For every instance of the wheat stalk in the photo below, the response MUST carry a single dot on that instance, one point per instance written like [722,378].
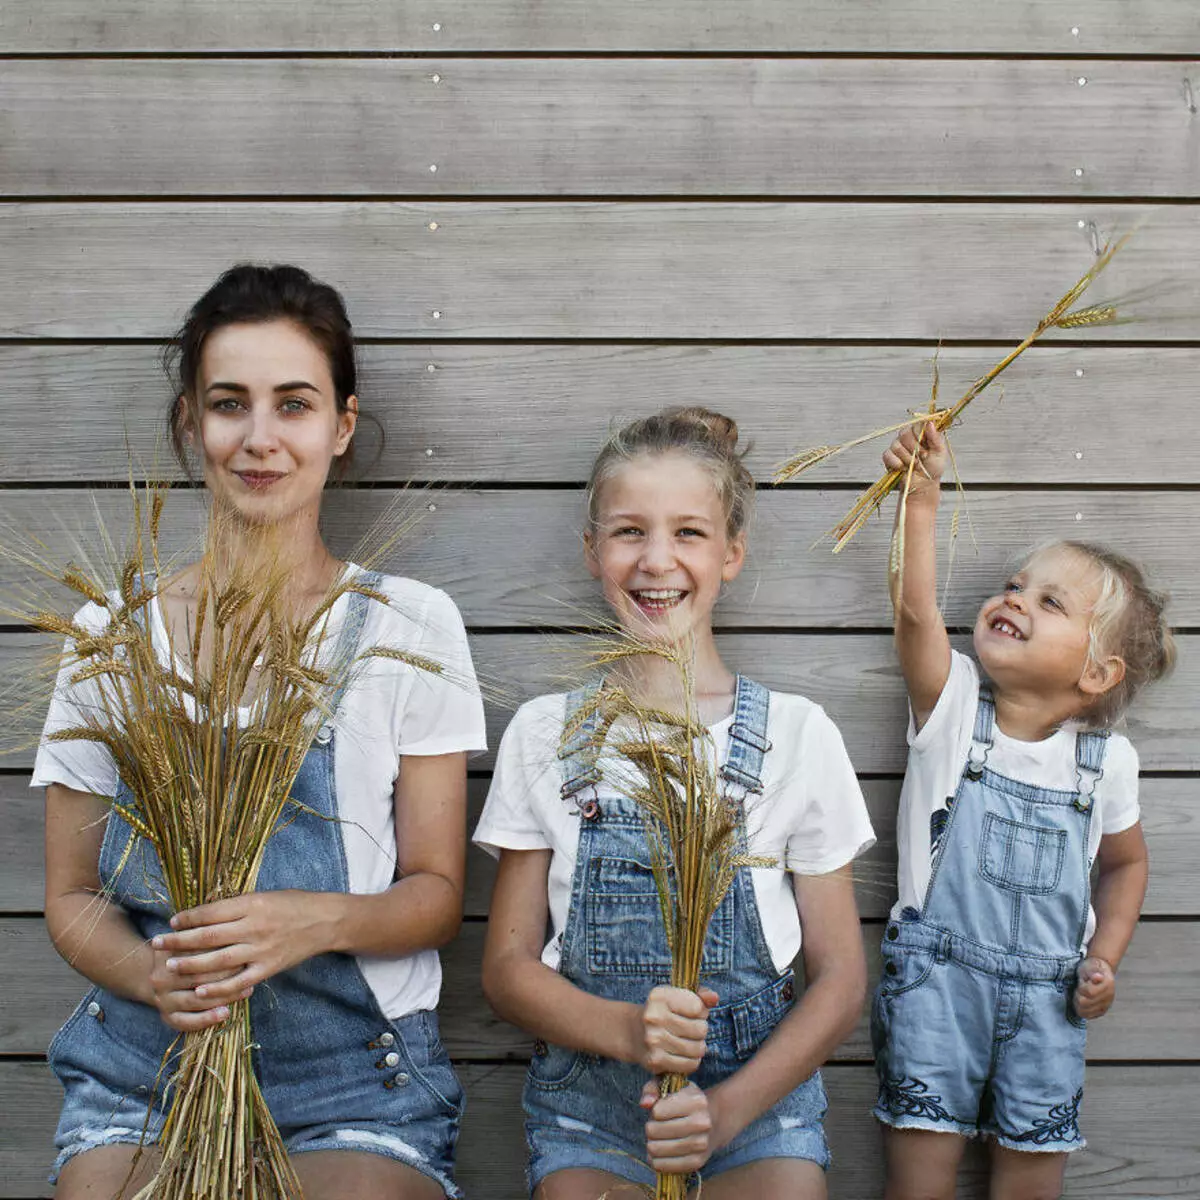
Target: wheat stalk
[1063,315]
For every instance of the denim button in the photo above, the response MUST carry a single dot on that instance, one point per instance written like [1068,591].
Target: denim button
[94,1010]
[392,1059]
[893,933]
[590,811]
[891,968]
[324,734]
[386,1039]
[539,1048]
[401,1079]
[789,991]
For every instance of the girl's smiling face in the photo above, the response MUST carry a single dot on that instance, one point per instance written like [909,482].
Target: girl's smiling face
[1037,632]
[660,545]
[269,425]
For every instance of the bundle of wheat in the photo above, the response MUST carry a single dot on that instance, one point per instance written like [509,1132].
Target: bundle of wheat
[664,761]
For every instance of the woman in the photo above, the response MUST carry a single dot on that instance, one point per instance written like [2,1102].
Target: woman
[363,882]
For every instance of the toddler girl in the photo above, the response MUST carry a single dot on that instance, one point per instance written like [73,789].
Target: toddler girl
[668,504]
[998,949]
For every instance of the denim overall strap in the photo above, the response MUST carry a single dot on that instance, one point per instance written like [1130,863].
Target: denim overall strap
[342,662]
[578,748]
[747,738]
[982,734]
[1090,747]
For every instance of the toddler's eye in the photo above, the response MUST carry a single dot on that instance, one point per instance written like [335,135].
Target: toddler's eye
[1053,602]
[688,531]
[625,531]
[1012,586]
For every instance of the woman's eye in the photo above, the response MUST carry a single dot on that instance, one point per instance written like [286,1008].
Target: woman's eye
[689,532]
[626,531]
[294,404]
[225,404]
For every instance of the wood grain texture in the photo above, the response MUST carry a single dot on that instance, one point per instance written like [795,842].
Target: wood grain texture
[1110,27]
[1169,817]
[727,127]
[1154,1016]
[538,413]
[618,270]
[855,678]
[512,558]
[1137,1119]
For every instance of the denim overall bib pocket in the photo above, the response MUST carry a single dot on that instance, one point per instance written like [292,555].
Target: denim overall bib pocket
[336,1073]
[973,1020]
[582,1111]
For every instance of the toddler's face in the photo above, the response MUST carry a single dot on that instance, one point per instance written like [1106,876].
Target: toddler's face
[1036,634]
[660,546]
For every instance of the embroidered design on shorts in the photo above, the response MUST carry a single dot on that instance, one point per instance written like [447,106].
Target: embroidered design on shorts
[912,1098]
[1060,1125]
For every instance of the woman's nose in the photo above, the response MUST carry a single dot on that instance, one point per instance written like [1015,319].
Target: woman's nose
[261,436]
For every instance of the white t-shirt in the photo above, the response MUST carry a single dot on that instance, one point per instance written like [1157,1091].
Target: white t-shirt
[810,817]
[938,754]
[389,710]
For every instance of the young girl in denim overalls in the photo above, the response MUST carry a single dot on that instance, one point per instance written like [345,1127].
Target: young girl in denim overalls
[668,502]
[337,948]
[998,950]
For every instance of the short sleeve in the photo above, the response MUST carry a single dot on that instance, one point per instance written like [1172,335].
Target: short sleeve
[959,696]
[85,766]
[832,827]
[443,713]
[1118,788]
[524,772]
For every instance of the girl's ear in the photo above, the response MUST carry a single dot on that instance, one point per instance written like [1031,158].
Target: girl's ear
[1101,677]
[346,424]
[182,418]
[589,554]
[735,557]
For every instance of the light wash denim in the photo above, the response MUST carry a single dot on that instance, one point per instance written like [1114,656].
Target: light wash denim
[335,1072]
[582,1110]
[973,1023]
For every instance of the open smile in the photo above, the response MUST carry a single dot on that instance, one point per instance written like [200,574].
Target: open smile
[654,601]
[1006,628]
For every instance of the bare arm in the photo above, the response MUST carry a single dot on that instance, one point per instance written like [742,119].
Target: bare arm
[526,992]
[93,933]
[259,935]
[1123,870]
[836,974]
[921,639]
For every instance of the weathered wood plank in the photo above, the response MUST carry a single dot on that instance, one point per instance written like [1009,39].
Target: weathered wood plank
[538,413]
[731,127]
[855,678]
[1138,1120]
[621,270]
[1155,1016]
[515,558]
[1110,27]
[1169,817]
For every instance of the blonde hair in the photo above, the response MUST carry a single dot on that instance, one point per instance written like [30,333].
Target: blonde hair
[1128,620]
[706,436]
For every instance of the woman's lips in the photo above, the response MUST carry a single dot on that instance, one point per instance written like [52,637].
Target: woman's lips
[259,480]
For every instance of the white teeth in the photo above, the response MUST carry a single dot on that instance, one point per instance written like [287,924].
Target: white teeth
[1002,626]
[659,594]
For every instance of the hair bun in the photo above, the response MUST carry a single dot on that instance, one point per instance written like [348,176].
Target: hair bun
[719,430]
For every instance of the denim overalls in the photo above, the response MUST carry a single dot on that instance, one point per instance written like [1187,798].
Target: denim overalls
[582,1111]
[336,1073]
[973,1022]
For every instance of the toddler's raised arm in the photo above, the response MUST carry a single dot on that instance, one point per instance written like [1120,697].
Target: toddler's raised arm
[921,638]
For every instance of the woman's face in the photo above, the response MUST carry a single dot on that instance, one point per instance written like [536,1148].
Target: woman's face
[660,546]
[269,428]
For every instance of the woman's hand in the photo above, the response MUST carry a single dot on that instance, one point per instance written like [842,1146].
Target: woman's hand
[674,1029]
[680,1134]
[923,441]
[177,1001]
[229,946]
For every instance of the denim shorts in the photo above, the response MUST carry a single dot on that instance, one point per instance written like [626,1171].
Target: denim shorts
[398,1097]
[977,1042]
[582,1111]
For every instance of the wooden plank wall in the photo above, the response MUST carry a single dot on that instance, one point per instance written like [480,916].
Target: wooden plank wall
[549,215]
